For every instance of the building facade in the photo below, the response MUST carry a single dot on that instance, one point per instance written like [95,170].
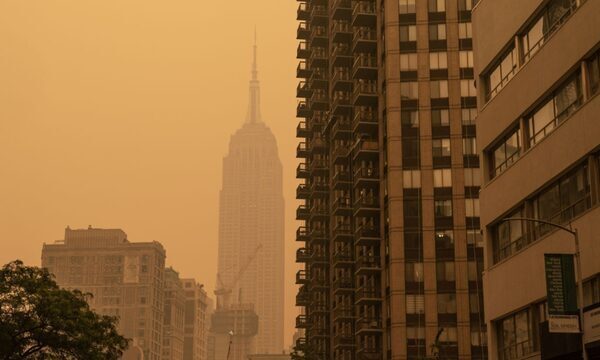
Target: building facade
[538,76]
[125,278]
[390,215]
[196,321]
[251,225]
[173,329]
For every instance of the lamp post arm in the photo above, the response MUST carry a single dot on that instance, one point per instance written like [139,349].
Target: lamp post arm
[572,232]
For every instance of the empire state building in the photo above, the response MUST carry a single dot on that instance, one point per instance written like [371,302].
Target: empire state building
[251,224]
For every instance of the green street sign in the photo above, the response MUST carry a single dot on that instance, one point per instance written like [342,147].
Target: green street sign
[560,284]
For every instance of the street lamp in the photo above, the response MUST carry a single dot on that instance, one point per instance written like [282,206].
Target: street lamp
[577,262]
[230,341]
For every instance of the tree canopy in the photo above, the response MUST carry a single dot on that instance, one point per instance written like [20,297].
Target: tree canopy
[39,320]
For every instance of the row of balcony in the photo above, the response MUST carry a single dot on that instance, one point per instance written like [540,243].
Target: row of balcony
[363,206]
[364,235]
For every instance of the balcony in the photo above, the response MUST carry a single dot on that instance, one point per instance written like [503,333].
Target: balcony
[302,255]
[341,9]
[364,67]
[318,212]
[302,277]
[366,149]
[318,79]
[368,353]
[300,342]
[318,167]
[367,295]
[318,281]
[319,15]
[341,103]
[340,154]
[303,51]
[366,205]
[302,171]
[342,233]
[342,258]
[342,180]
[342,312]
[342,128]
[341,56]
[302,322]
[367,264]
[319,145]
[342,206]
[365,93]
[319,101]
[318,36]
[341,81]
[302,13]
[302,297]
[366,176]
[302,150]
[318,234]
[302,90]
[302,234]
[302,130]
[367,235]
[363,13]
[369,325]
[342,32]
[365,122]
[319,189]
[302,191]
[318,57]
[343,285]
[302,33]
[302,70]
[364,40]
[343,340]
[302,109]
[302,213]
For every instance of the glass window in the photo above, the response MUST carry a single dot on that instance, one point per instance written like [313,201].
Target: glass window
[466,59]
[410,118]
[438,60]
[475,238]
[437,5]
[414,272]
[408,62]
[501,73]
[409,90]
[472,177]
[437,32]
[441,147]
[442,178]
[443,208]
[465,5]
[412,179]
[468,116]
[444,239]
[508,237]
[467,88]
[562,103]
[449,335]
[591,291]
[415,332]
[474,270]
[474,303]
[472,207]
[445,271]
[440,117]
[415,304]
[407,6]
[465,30]
[469,146]
[515,335]
[446,303]
[594,73]
[507,152]
[408,33]
[410,150]
[439,89]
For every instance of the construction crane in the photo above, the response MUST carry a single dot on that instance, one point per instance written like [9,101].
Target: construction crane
[223,292]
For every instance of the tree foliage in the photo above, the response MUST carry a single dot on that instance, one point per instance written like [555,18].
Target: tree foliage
[39,320]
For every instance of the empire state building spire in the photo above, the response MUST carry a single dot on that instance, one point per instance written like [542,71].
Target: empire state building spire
[253,115]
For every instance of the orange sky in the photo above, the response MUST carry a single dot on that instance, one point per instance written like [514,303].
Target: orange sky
[117,113]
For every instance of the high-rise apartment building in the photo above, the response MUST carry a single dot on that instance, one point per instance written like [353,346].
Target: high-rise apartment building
[173,328]
[251,225]
[538,78]
[196,321]
[392,245]
[125,278]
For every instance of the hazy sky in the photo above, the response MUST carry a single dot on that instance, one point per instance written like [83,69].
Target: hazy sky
[117,113]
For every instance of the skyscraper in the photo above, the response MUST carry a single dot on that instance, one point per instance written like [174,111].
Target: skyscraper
[392,247]
[251,224]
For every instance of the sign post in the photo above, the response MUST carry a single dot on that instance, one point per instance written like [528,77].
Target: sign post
[561,292]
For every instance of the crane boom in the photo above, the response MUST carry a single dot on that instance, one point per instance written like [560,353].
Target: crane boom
[224,291]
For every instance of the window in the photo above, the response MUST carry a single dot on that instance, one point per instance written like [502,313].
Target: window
[468,116]
[439,89]
[591,291]
[441,147]
[478,337]
[472,177]
[412,209]
[474,270]
[444,239]
[469,146]
[465,30]
[415,333]
[553,15]
[415,304]
[410,151]
[472,207]
[515,335]
[406,6]
[443,208]
[467,88]
[466,59]
[501,73]
[409,90]
[465,5]
[449,335]
[409,118]
[555,110]
[508,237]
[438,60]
[408,62]
[437,5]
[446,303]
[564,200]
[594,73]
[412,179]
[408,33]
[437,32]
[445,270]
[442,178]
[440,117]
[474,238]
[414,272]
[507,152]
[475,303]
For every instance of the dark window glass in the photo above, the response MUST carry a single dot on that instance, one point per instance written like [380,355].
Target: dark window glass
[443,208]
[508,237]
[441,147]
[594,71]
[440,117]
[410,118]
[515,335]
[507,152]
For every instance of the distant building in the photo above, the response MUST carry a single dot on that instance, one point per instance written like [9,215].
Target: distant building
[269,357]
[173,316]
[126,280]
[196,321]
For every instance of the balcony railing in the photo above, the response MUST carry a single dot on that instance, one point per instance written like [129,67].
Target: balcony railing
[302,255]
